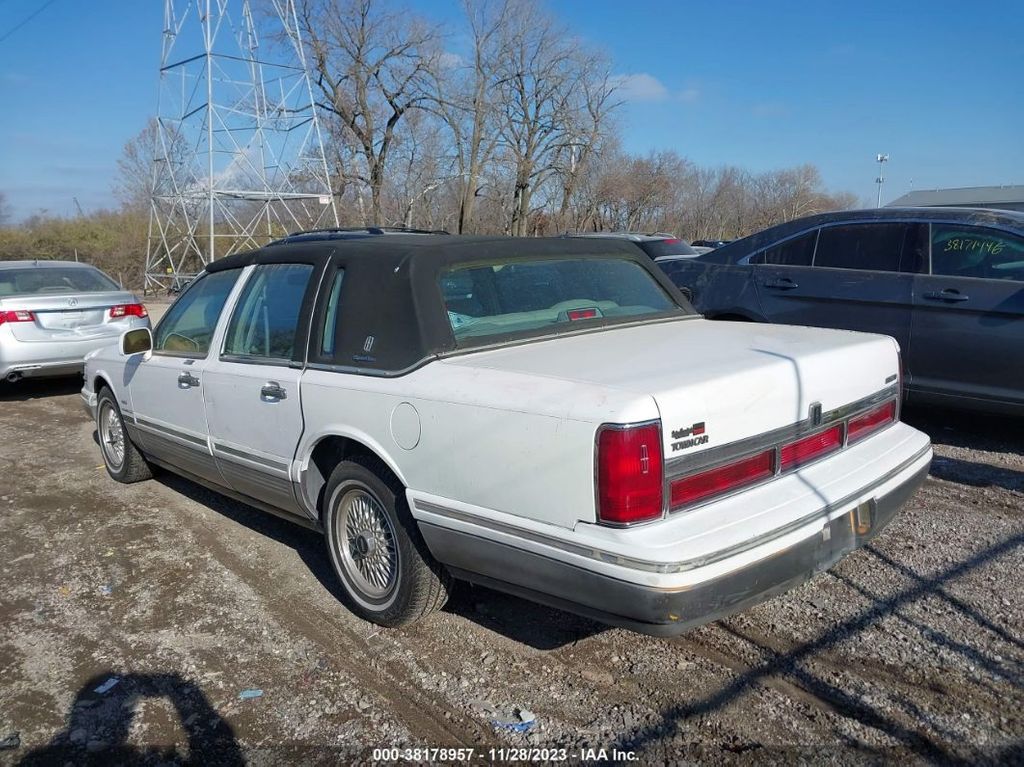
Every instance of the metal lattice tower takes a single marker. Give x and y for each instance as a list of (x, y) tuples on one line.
[(240, 156)]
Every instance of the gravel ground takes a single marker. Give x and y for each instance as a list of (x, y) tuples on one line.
[(911, 649)]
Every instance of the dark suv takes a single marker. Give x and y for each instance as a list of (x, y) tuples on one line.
[(947, 283)]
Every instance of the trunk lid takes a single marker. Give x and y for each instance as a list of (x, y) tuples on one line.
[(67, 316), (714, 382)]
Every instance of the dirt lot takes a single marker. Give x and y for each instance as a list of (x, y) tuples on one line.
[(911, 648)]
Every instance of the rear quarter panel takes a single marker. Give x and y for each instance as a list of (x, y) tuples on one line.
[(513, 443)]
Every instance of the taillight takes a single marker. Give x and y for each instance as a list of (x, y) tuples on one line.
[(871, 421), (128, 310), (18, 315), (629, 473), (722, 479), (810, 448)]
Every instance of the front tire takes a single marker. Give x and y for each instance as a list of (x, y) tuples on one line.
[(386, 572), (123, 460)]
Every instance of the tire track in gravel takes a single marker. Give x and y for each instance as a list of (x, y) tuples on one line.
[(384, 678)]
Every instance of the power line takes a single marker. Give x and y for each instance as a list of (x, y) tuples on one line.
[(31, 16)]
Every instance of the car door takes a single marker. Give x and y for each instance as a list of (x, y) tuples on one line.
[(166, 387), (860, 277), (252, 389), (968, 319)]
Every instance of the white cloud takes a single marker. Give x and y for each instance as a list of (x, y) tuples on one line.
[(644, 87), (640, 87), (449, 60)]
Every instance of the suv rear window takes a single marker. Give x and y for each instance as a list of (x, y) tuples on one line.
[(527, 298)]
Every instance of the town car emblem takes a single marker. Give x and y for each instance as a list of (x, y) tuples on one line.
[(691, 436)]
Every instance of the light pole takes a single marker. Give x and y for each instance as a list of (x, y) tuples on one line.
[(881, 178)]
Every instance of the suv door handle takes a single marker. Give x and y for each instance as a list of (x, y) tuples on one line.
[(186, 380), (783, 283), (272, 391), (949, 294)]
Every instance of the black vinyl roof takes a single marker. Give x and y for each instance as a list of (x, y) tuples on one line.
[(392, 311), (737, 249)]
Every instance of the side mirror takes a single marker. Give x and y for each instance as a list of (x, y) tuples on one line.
[(136, 341)]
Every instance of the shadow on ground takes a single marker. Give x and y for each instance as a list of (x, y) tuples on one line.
[(99, 723), (540, 627), (791, 664), (978, 431), (39, 388)]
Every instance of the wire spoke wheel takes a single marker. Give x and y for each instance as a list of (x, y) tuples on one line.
[(111, 436), (366, 542)]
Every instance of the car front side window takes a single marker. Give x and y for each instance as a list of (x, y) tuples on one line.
[(267, 315), (972, 251), (187, 329)]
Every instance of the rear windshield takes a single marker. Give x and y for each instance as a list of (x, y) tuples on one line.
[(54, 279), (528, 298)]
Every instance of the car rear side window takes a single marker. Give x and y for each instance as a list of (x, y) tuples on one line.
[(795, 252), (266, 318), (188, 326), (529, 298), (972, 251), (870, 247)]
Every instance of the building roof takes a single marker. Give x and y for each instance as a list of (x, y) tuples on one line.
[(971, 196)]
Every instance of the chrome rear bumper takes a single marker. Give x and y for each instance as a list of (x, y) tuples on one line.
[(659, 611)]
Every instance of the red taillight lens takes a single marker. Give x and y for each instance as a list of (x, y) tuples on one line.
[(871, 421), (809, 448), (128, 310), (18, 315), (629, 474), (722, 479)]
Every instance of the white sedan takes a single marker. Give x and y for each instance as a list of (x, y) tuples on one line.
[(546, 417)]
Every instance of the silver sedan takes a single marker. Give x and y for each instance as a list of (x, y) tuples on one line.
[(53, 313)]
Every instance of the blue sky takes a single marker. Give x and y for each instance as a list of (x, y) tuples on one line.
[(937, 85)]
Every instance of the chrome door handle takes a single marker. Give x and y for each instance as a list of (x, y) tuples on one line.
[(949, 294), (186, 380), (272, 391), (781, 284)]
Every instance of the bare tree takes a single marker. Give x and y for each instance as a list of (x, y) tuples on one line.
[(465, 97), (371, 65), (138, 168), (5, 212), (536, 87)]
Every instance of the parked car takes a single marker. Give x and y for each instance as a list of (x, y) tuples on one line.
[(710, 244), (546, 417), (946, 283), (52, 313), (661, 247)]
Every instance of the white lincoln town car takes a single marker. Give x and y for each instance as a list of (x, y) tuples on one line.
[(548, 417)]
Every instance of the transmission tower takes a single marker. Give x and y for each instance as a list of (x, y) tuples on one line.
[(240, 156)]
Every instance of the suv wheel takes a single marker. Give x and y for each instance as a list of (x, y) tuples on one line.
[(123, 460), (387, 574)]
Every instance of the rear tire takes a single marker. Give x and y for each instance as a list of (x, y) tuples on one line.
[(123, 460), (386, 572)]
